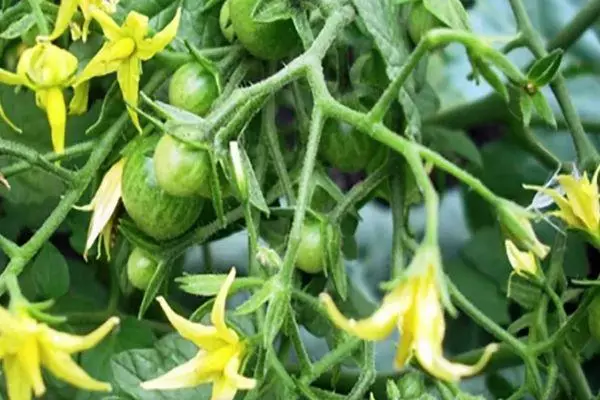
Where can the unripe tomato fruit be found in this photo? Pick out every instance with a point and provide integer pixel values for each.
(140, 268)
(266, 40)
(180, 169)
(594, 318)
(156, 212)
(421, 21)
(346, 148)
(193, 88)
(311, 252)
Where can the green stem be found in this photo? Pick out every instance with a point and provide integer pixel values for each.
(570, 33)
(367, 373)
(275, 151)
(575, 374)
(8, 247)
(70, 152)
(586, 152)
(32, 157)
(331, 359)
(40, 19)
(399, 216)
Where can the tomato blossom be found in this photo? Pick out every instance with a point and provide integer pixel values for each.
(577, 201)
(103, 205)
(67, 10)
(523, 263)
(126, 47)
(414, 307)
(48, 70)
(514, 220)
(26, 345)
(219, 358)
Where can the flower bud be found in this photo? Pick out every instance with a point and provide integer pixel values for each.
(514, 220)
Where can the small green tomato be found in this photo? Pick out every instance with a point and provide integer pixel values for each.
(140, 268)
(311, 252)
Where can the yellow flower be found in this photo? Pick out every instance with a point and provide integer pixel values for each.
(514, 219)
(219, 358)
(26, 345)
(67, 10)
(126, 48)
(577, 201)
(414, 307)
(48, 70)
(103, 205)
(524, 263)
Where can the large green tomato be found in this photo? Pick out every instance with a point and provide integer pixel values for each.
(193, 88)
(346, 148)
(140, 268)
(182, 170)
(311, 252)
(156, 212)
(269, 41)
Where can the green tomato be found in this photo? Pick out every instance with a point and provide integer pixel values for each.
(180, 169)
(594, 318)
(346, 148)
(311, 251)
(265, 40)
(225, 22)
(421, 21)
(156, 212)
(193, 88)
(140, 268)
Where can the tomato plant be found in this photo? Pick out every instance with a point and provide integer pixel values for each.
(412, 182)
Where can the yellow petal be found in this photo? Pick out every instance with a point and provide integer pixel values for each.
(566, 212)
(223, 389)
(434, 362)
(8, 322)
(65, 13)
(57, 117)
(205, 337)
(105, 203)
(583, 200)
(149, 47)
(235, 379)
(111, 30)
(70, 344)
(378, 326)
(523, 262)
(135, 27)
(217, 315)
(17, 387)
(128, 76)
(404, 350)
(63, 367)
(187, 375)
(107, 60)
(29, 358)
(79, 102)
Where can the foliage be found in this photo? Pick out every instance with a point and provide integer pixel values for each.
(416, 177)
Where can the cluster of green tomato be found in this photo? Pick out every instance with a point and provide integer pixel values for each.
(166, 182)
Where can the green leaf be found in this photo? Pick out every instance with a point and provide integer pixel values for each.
(542, 108)
(132, 367)
(202, 285)
(215, 188)
(159, 277)
(450, 12)
(259, 298)
(50, 272)
(276, 315)
(18, 28)
(256, 197)
(524, 292)
(335, 267)
(272, 10)
(545, 69)
(526, 105)
(450, 141)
